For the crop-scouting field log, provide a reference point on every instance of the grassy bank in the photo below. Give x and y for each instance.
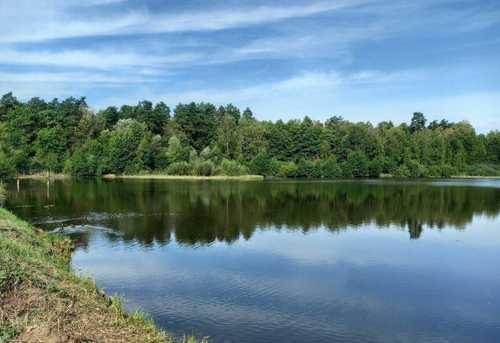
(186, 177)
(42, 300)
(44, 176)
(474, 177)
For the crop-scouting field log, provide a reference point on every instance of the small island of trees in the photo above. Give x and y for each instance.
(201, 139)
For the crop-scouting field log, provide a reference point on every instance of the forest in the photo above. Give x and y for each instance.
(201, 139)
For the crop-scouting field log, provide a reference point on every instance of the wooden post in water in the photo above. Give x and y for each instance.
(18, 185)
(48, 189)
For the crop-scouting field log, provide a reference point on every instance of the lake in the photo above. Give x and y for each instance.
(287, 261)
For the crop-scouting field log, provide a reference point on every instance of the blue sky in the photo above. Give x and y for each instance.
(366, 60)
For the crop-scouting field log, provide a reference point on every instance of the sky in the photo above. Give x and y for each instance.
(366, 60)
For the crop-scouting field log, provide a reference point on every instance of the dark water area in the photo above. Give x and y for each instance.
(287, 261)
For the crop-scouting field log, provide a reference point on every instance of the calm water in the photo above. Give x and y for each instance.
(367, 261)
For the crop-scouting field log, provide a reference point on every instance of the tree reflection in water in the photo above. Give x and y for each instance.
(204, 212)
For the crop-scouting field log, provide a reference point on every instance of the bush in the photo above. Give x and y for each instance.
(274, 167)
(162, 159)
(417, 169)
(86, 160)
(287, 169)
(356, 165)
(232, 168)
(179, 168)
(261, 164)
(77, 165)
(206, 154)
(375, 167)
(434, 171)
(330, 169)
(402, 171)
(309, 169)
(205, 168)
(483, 170)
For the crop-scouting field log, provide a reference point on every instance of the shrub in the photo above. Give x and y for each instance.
(402, 171)
(274, 167)
(309, 169)
(179, 168)
(205, 168)
(162, 159)
(86, 160)
(287, 169)
(375, 167)
(416, 169)
(483, 170)
(206, 154)
(356, 165)
(330, 169)
(261, 164)
(434, 171)
(232, 168)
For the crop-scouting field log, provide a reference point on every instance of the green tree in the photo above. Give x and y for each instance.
(110, 116)
(197, 123)
(247, 114)
(356, 165)
(493, 146)
(227, 137)
(330, 169)
(261, 164)
(123, 144)
(50, 149)
(417, 122)
(175, 151)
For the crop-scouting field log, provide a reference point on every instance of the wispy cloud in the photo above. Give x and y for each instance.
(92, 59)
(306, 93)
(46, 78)
(64, 24)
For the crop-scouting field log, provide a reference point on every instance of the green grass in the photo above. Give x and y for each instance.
(41, 298)
(7, 332)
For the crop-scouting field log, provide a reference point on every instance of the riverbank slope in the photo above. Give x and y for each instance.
(42, 300)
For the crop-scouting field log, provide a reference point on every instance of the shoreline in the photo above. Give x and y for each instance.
(43, 176)
(43, 300)
(478, 177)
(185, 177)
(60, 176)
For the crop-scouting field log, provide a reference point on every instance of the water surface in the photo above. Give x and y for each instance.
(286, 261)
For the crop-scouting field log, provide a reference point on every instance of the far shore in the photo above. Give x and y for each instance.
(185, 177)
(61, 176)
(44, 176)
(474, 177)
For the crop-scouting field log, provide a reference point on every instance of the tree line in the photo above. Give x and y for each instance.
(201, 139)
